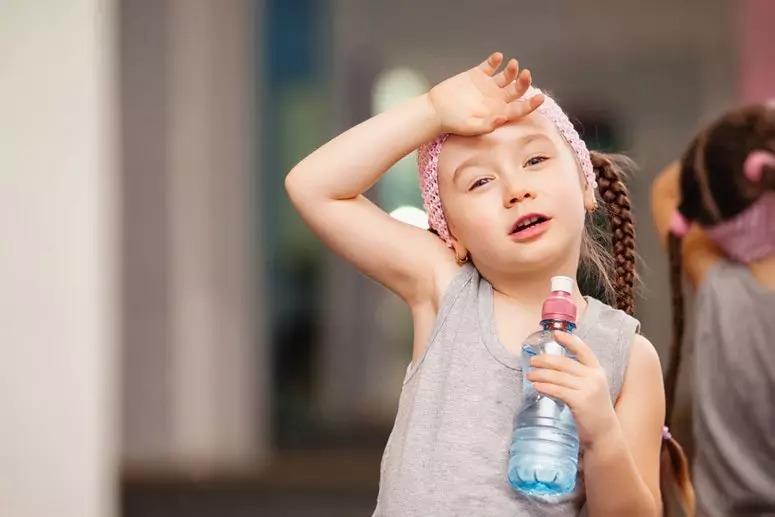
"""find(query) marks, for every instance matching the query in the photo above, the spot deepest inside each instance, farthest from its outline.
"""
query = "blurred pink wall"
(757, 59)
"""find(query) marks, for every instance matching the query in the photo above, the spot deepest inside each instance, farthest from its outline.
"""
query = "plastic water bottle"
(543, 458)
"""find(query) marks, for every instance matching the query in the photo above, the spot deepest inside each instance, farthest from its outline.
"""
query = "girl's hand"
(478, 101)
(581, 384)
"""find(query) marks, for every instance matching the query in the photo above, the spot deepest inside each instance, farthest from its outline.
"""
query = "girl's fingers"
(559, 363)
(507, 76)
(491, 124)
(578, 348)
(522, 108)
(556, 391)
(518, 88)
(491, 64)
(556, 377)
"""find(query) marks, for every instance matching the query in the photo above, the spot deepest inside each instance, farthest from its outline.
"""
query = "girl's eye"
(532, 162)
(480, 182)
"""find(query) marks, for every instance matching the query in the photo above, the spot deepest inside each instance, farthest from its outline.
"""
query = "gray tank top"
(448, 452)
(734, 406)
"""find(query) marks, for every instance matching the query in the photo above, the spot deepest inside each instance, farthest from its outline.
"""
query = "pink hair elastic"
(428, 162)
(755, 164)
(679, 225)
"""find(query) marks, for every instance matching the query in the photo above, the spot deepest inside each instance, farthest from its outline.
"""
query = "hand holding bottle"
(581, 384)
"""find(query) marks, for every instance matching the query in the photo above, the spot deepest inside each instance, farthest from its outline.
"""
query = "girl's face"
(515, 198)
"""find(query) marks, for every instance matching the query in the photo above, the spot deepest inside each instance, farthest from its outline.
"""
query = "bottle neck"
(561, 325)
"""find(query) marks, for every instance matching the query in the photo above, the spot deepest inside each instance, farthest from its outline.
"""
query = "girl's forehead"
(534, 127)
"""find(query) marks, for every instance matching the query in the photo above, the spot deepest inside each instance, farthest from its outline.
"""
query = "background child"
(508, 186)
(725, 184)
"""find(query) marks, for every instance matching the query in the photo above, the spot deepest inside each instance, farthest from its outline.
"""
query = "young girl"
(725, 182)
(508, 186)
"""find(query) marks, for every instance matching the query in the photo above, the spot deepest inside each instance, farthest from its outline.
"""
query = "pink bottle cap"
(560, 305)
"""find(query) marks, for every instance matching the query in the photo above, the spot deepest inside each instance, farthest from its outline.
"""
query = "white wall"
(58, 228)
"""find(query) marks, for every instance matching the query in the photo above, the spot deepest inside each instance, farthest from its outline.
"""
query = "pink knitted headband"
(428, 162)
(753, 169)
(748, 236)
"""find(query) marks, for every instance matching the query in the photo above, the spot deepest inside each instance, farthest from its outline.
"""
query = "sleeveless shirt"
(734, 408)
(448, 452)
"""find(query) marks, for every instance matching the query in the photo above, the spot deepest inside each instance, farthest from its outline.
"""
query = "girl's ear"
(590, 202)
(461, 252)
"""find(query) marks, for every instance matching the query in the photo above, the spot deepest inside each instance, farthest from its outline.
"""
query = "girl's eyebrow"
(475, 159)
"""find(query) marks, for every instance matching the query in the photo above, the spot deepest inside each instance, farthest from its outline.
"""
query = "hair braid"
(616, 198)
(676, 290)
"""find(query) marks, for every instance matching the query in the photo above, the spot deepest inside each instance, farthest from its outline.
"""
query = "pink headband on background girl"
(748, 236)
(428, 162)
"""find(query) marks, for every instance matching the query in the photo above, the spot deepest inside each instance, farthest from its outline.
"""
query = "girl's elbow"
(291, 182)
(295, 186)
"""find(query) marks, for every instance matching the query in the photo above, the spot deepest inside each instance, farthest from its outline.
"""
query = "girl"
(508, 186)
(725, 183)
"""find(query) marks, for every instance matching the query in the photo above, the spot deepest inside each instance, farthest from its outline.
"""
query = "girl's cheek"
(481, 224)
(473, 219)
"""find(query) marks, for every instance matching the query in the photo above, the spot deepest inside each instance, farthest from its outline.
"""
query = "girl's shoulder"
(602, 316)
(611, 334)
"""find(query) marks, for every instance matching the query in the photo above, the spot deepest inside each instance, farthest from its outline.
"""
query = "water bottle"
(543, 458)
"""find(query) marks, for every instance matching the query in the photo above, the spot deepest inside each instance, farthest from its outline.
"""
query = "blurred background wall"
(175, 341)
(194, 356)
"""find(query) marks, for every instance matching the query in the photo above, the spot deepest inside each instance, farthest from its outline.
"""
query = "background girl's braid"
(676, 290)
(674, 465)
(675, 477)
(616, 198)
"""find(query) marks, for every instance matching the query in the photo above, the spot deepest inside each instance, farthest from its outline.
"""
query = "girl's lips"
(532, 231)
(526, 219)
